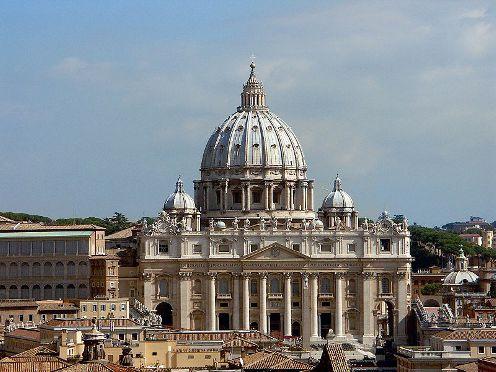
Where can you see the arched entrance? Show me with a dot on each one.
(164, 309)
(325, 324)
(385, 319)
(296, 329)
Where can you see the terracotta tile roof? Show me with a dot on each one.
(333, 359)
(17, 303)
(122, 234)
(469, 367)
(29, 226)
(5, 220)
(96, 367)
(28, 334)
(467, 334)
(270, 360)
(488, 362)
(38, 359)
(239, 342)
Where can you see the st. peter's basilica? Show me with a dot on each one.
(251, 251)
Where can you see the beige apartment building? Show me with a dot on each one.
(47, 262)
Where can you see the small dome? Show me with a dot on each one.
(460, 277)
(338, 199)
(319, 224)
(179, 199)
(220, 225)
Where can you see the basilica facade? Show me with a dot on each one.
(251, 251)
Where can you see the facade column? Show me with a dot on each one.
(248, 197)
(246, 301)
(287, 304)
(339, 304)
(243, 197)
(223, 196)
(304, 202)
(236, 301)
(184, 296)
(305, 315)
(310, 196)
(314, 283)
(266, 196)
(147, 290)
(368, 308)
(208, 198)
(212, 321)
(263, 302)
(271, 196)
(287, 201)
(402, 304)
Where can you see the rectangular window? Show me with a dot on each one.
(326, 303)
(296, 247)
(253, 286)
(493, 349)
(154, 353)
(48, 248)
(21, 318)
(197, 248)
(37, 248)
(223, 304)
(134, 336)
(4, 248)
(253, 247)
(111, 284)
(121, 336)
(276, 197)
(256, 196)
(217, 197)
(236, 194)
(351, 248)
(385, 245)
(223, 248)
(102, 307)
(95, 308)
(254, 304)
(112, 307)
(123, 307)
(163, 247)
(296, 304)
(191, 356)
(481, 350)
(60, 247)
(327, 248)
(30, 317)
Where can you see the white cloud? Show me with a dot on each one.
(474, 14)
(479, 38)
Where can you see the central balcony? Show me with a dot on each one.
(224, 296)
(275, 296)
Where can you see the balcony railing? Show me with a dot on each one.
(425, 352)
(326, 295)
(275, 296)
(224, 296)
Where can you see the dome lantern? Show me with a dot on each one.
(253, 94)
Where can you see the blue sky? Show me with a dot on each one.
(103, 104)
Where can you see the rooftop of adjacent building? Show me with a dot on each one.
(38, 226)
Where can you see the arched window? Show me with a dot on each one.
(59, 291)
(71, 268)
(325, 285)
(197, 286)
(13, 293)
(47, 292)
(36, 269)
(13, 270)
(82, 291)
(275, 285)
(48, 269)
(83, 269)
(24, 291)
(59, 269)
(385, 286)
(71, 291)
(352, 286)
(163, 288)
(223, 286)
(3, 270)
(254, 326)
(3, 292)
(36, 292)
(24, 269)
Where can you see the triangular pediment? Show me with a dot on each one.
(275, 251)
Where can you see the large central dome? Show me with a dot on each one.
(253, 137)
(253, 165)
